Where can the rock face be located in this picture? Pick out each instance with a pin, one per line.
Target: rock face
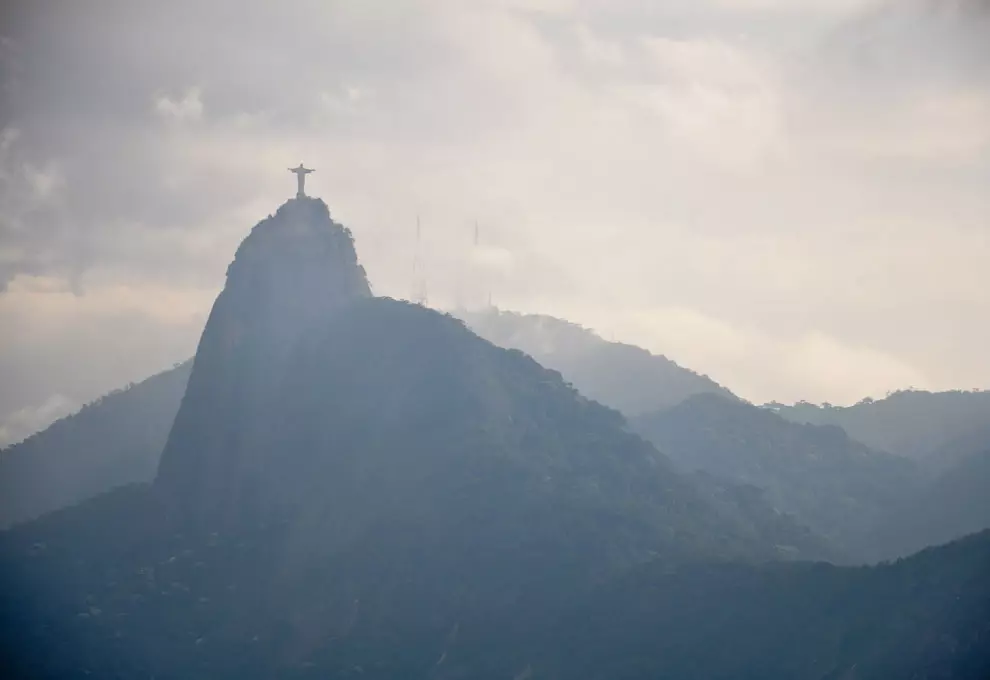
(297, 268)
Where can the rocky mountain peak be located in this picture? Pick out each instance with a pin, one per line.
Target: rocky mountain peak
(296, 269)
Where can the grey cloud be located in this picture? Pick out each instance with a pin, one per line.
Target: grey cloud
(705, 163)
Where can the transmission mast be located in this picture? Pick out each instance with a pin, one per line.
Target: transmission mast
(419, 294)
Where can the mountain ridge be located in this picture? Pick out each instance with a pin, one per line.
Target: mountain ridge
(911, 423)
(826, 479)
(117, 439)
(627, 378)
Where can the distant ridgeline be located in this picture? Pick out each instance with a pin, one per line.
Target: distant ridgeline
(835, 485)
(113, 441)
(909, 423)
(624, 377)
(119, 439)
(360, 487)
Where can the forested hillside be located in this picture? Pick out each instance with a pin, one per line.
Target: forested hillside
(115, 440)
(955, 503)
(924, 617)
(827, 480)
(909, 423)
(250, 605)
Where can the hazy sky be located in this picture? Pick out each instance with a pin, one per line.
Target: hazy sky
(792, 196)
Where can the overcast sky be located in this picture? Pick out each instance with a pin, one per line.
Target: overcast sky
(792, 196)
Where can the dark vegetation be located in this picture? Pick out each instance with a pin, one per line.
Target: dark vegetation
(909, 423)
(924, 617)
(833, 484)
(102, 591)
(955, 503)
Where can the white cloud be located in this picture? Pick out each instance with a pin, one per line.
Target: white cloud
(742, 356)
(797, 219)
(719, 99)
(188, 108)
(798, 6)
(24, 422)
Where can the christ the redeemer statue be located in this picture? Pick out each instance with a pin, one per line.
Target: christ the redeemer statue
(300, 174)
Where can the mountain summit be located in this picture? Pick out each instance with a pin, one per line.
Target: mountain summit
(296, 268)
(314, 403)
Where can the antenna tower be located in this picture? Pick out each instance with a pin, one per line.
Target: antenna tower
(419, 295)
(477, 243)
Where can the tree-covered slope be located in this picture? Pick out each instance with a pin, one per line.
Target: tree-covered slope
(388, 414)
(102, 590)
(924, 617)
(747, 507)
(115, 440)
(832, 483)
(909, 423)
(955, 503)
(406, 479)
(625, 377)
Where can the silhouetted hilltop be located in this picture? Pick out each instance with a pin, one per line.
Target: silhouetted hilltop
(295, 269)
(115, 440)
(625, 377)
(832, 483)
(909, 423)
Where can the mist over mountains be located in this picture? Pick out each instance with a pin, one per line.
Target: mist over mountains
(627, 378)
(829, 493)
(359, 486)
(910, 423)
(116, 440)
(830, 482)
(319, 455)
